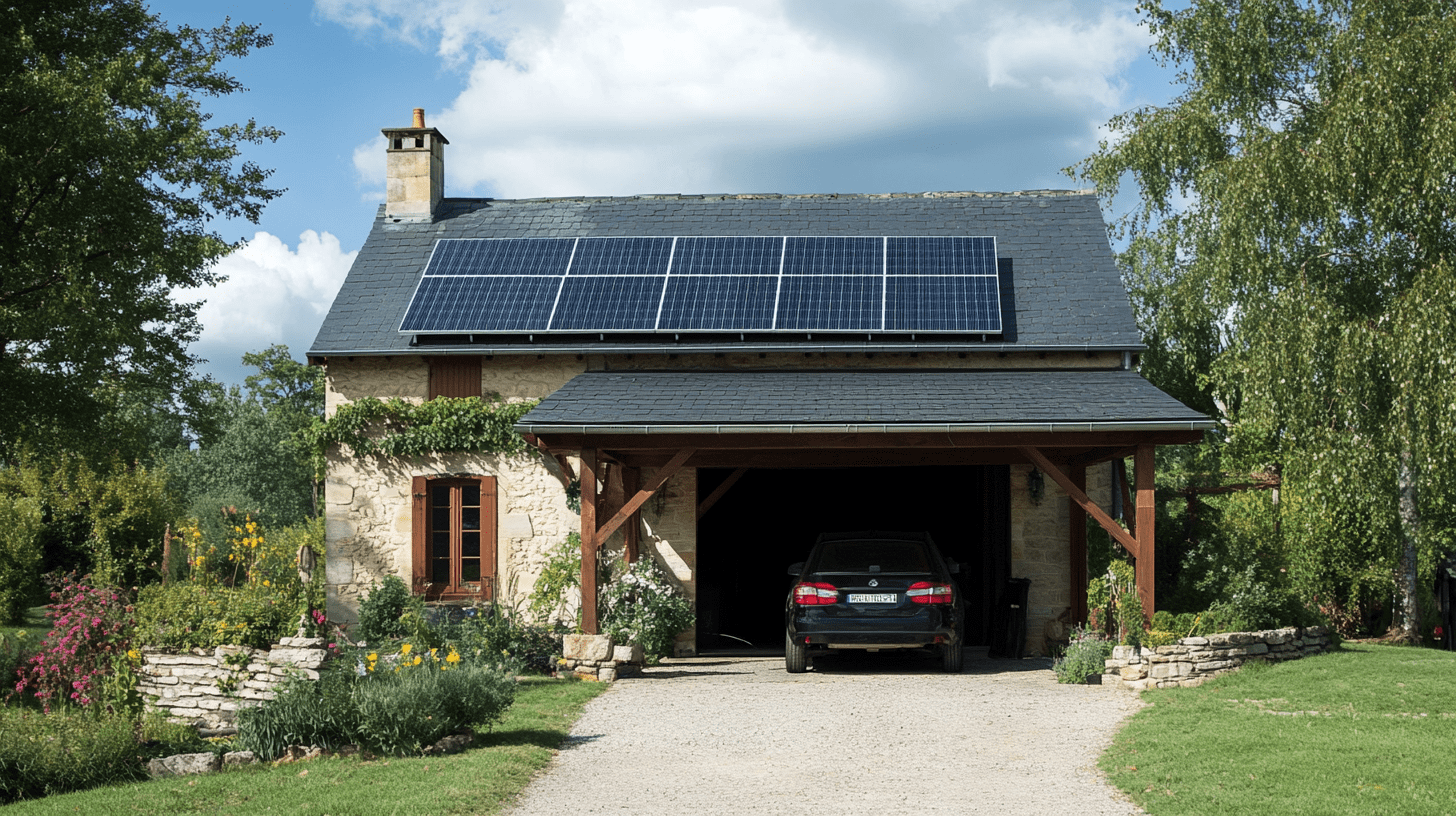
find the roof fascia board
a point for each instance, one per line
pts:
(532, 351)
(830, 428)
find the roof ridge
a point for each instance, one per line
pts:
(1043, 193)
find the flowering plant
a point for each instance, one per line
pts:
(644, 607)
(84, 659)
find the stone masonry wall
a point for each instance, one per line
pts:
(210, 686)
(1192, 660)
(1040, 549)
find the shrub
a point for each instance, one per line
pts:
(16, 649)
(87, 644)
(189, 615)
(20, 556)
(382, 610)
(1086, 656)
(302, 713)
(495, 634)
(644, 607)
(561, 573)
(43, 754)
(403, 711)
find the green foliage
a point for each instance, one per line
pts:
(252, 456)
(1292, 263)
(495, 634)
(111, 177)
(302, 712)
(16, 648)
(244, 591)
(395, 706)
(109, 521)
(382, 611)
(43, 754)
(372, 427)
(642, 606)
(402, 712)
(1085, 657)
(561, 573)
(20, 557)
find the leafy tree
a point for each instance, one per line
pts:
(253, 458)
(109, 177)
(1291, 256)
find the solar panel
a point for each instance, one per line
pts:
(709, 284)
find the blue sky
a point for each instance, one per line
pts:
(617, 97)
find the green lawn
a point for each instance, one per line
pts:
(1365, 730)
(480, 780)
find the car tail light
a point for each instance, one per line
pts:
(816, 594)
(924, 592)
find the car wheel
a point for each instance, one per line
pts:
(953, 657)
(796, 656)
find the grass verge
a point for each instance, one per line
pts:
(480, 780)
(1364, 730)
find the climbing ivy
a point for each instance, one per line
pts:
(374, 427)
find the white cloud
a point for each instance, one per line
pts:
(273, 294)
(612, 97)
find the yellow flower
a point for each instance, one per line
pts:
(417, 660)
(453, 657)
(265, 582)
(373, 656)
(133, 654)
(405, 649)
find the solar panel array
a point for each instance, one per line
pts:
(708, 284)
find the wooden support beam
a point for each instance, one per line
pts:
(1129, 514)
(635, 503)
(1146, 515)
(631, 477)
(1080, 497)
(1077, 548)
(567, 474)
(589, 541)
(707, 504)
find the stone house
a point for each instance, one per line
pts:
(726, 376)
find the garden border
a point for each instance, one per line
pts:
(1192, 660)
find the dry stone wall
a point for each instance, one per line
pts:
(1192, 660)
(208, 687)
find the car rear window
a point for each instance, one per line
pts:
(872, 556)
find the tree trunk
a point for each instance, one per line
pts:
(1408, 626)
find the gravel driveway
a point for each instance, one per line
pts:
(865, 735)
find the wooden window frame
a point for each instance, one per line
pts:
(421, 534)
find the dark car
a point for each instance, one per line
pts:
(873, 591)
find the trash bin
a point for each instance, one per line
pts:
(1008, 628)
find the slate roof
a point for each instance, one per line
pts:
(667, 401)
(1064, 291)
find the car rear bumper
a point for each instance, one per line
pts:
(834, 638)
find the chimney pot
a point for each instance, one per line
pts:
(419, 118)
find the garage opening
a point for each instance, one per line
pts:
(769, 519)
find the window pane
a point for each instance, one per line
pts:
(470, 495)
(440, 571)
(440, 496)
(470, 545)
(470, 570)
(440, 518)
(470, 518)
(441, 547)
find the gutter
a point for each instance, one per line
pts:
(837, 428)
(872, 348)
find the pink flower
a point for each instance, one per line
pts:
(1440, 631)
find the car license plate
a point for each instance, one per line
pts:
(872, 597)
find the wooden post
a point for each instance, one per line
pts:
(1145, 568)
(631, 477)
(589, 541)
(1077, 547)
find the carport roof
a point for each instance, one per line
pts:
(775, 402)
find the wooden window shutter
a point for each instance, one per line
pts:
(419, 535)
(454, 377)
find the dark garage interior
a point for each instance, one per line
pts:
(770, 518)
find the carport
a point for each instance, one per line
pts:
(632, 431)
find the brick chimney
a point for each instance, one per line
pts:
(415, 175)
